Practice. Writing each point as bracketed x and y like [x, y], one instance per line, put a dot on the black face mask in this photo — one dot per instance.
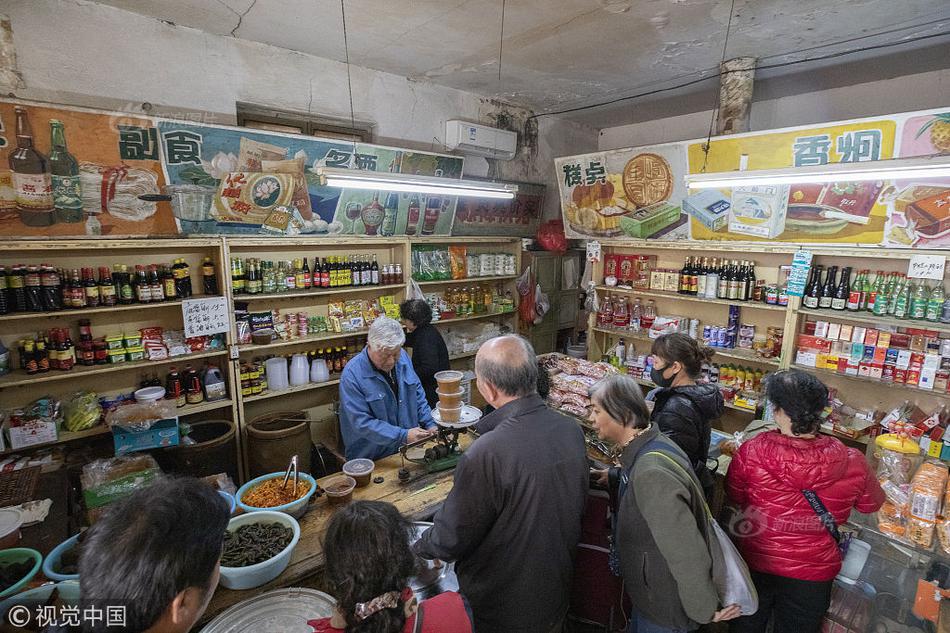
[656, 375]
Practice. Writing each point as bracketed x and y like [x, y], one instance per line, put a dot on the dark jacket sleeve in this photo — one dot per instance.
[466, 516]
[429, 356]
[678, 422]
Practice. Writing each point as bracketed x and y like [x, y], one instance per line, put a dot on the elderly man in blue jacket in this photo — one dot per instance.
[382, 402]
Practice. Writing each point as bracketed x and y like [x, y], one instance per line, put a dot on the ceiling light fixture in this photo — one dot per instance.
[926, 167]
[386, 181]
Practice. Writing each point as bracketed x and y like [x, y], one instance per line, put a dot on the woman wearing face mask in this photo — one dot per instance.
[684, 409]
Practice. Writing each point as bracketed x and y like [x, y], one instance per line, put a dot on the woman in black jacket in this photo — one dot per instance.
[684, 409]
[429, 353]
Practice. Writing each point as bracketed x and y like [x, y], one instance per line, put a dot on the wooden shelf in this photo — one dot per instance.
[291, 390]
[18, 378]
[651, 385]
[103, 429]
[866, 318]
[472, 317]
[657, 294]
[81, 312]
[301, 340]
[735, 352]
[443, 282]
[296, 294]
[889, 385]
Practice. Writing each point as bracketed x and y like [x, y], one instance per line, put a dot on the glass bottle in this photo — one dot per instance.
[52, 295]
[64, 168]
[34, 290]
[828, 289]
[390, 213]
[935, 303]
[712, 279]
[840, 299]
[143, 291]
[894, 293]
[813, 288]
[124, 285]
[107, 294]
[159, 289]
[91, 288]
[902, 302]
[920, 297]
[32, 182]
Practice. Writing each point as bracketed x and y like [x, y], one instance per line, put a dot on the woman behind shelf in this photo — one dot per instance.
[368, 566]
[429, 353]
[793, 557]
[683, 409]
[660, 534]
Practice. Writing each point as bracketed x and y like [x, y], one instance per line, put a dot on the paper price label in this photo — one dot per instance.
[205, 316]
[926, 267]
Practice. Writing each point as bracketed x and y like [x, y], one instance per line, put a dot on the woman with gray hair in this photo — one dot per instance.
[660, 542]
[382, 403]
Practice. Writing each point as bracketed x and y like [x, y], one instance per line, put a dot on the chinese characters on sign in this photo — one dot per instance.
[138, 143]
[926, 267]
[853, 147]
[341, 159]
[205, 316]
[575, 174]
[55, 616]
[182, 147]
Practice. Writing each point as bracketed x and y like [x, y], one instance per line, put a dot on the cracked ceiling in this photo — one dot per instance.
[560, 54]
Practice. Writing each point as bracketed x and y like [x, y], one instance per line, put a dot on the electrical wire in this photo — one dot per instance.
[719, 74]
[349, 80]
[715, 109]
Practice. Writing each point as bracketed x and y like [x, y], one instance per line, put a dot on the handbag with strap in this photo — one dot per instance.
[730, 573]
[828, 521]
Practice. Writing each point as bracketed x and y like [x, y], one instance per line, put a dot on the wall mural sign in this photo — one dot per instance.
[648, 182]
[519, 216]
[220, 180]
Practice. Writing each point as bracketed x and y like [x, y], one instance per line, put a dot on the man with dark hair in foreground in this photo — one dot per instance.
[156, 555]
[513, 518]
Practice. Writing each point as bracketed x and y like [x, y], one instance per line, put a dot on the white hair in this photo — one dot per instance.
[385, 333]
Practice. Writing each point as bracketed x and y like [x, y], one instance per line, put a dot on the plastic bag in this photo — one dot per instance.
[141, 416]
[107, 480]
[541, 304]
[414, 291]
[551, 236]
[81, 411]
[525, 286]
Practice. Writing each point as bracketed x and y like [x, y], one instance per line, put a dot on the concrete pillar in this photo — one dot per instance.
[735, 95]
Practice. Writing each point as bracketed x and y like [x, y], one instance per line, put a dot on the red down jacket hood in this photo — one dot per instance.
[777, 531]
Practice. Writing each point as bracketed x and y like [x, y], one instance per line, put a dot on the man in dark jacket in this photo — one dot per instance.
[513, 518]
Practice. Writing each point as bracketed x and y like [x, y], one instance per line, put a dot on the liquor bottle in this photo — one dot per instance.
[374, 272]
[32, 183]
[356, 273]
[238, 280]
[897, 287]
[50, 291]
[712, 279]
[685, 271]
[67, 188]
[413, 215]
[107, 294]
[302, 274]
[290, 276]
[813, 288]
[840, 299]
[722, 291]
[734, 280]
[253, 284]
[390, 213]
[167, 288]
[325, 273]
[4, 298]
[877, 302]
[935, 303]
[750, 282]
[694, 278]
[920, 297]
[829, 287]
[91, 288]
[366, 272]
[268, 276]
[123, 285]
[701, 274]
[856, 292]
[143, 292]
[209, 279]
[903, 300]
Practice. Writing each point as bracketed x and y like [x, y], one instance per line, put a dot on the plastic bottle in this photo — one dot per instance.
[918, 302]
[935, 303]
[209, 280]
[193, 391]
[215, 387]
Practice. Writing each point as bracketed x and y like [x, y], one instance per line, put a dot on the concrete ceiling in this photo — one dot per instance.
[562, 54]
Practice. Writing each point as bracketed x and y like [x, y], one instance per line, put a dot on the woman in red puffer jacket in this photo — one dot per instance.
[792, 555]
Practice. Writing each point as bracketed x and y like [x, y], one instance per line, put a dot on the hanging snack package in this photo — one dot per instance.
[335, 315]
[441, 265]
[458, 261]
[927, 490]
[897, 461]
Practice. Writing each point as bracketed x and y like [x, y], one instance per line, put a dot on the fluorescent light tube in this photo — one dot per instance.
[386, 181]
[927, 167]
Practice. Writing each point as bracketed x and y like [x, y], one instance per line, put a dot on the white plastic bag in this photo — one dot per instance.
[414, 292]
[541, 304]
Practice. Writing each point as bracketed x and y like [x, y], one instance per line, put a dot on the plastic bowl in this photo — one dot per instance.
[51, 564]
[451, 400]
[360, 469]
[295, 509]
[263, 572]
[449, 380]
[68, 594]
[149, 394]
[19, 555]
[10, 521]
[450, 416]
[339, 489]
[229, 498]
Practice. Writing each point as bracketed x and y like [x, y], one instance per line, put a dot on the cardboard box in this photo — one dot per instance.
[927, 377]
[870, 338]
[834, 331]
[857, 352]
[163, 433]
[821, 329]
[806, 358]
[852, 368]
[884, 339]
[709, 207]
[32, 433]
[814, 343]
[758, 210]
[880, 355]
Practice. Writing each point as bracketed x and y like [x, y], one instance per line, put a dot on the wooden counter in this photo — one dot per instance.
[415, 500]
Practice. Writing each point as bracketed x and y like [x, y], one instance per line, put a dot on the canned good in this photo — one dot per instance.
[721, 337]
[771, 294]
[706, 331]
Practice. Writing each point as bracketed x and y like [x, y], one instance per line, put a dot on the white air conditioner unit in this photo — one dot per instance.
[480, 140]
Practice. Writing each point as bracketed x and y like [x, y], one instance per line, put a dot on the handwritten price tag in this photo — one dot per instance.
[926, 267]
[205, 316]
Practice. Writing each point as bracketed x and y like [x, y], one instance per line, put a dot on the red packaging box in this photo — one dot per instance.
[900, 376]
[899, 340]
[913, 377]
[815, 343]
[870, 337]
